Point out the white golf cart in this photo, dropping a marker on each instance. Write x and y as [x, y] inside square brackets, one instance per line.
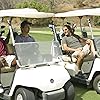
[40, 74]
[90, 65]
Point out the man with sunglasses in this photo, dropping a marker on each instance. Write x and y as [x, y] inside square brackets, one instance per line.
[77, 46]
[24, 36]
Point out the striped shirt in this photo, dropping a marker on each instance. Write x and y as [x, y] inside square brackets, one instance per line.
[3, 49]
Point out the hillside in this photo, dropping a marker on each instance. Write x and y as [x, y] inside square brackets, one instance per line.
[58, 6]
[55, 5]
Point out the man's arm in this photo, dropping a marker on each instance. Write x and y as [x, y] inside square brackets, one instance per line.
[82, 40]
[68, 49]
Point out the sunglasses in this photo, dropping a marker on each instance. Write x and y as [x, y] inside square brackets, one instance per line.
[65, 29]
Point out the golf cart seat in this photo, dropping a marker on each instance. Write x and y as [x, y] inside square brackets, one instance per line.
[72, 67]
[7, 69]
[66, 58]
[89, 58]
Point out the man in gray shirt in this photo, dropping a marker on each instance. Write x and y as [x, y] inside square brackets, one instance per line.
[24, 36]
[77, 46]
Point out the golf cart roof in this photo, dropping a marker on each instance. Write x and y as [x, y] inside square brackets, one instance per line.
[81, 12]
[25, 12]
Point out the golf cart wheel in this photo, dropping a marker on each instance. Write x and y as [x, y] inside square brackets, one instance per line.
[96, 84]
[69, 91]
[24, 94]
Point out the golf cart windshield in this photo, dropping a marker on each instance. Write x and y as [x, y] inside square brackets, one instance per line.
[35, 53]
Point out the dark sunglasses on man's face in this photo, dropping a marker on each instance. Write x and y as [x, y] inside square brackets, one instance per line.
[65, 29]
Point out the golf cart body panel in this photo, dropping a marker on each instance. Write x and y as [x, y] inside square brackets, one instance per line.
[43, 78]
[95, 68]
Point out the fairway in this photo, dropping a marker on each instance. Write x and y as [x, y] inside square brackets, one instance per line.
[42, 36]
[83, 93]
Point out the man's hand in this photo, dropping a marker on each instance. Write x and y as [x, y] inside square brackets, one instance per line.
[78, 49]
[88, 41]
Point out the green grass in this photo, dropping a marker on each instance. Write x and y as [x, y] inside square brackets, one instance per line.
[83, 93]
[42, 37]
[41, 34]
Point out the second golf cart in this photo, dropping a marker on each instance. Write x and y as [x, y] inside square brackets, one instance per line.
[90, 65]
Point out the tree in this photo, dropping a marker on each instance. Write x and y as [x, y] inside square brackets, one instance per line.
[33, 4]
[97, 20]
[36, 5]
[79, 4]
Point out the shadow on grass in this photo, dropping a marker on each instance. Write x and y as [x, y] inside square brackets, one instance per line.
[80, 90]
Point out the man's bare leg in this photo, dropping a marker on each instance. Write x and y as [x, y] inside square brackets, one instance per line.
[92, 48]
[14, 63]
[80, 60]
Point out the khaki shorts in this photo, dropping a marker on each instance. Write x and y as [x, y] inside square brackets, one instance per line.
[9, 59]
[85, 50]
